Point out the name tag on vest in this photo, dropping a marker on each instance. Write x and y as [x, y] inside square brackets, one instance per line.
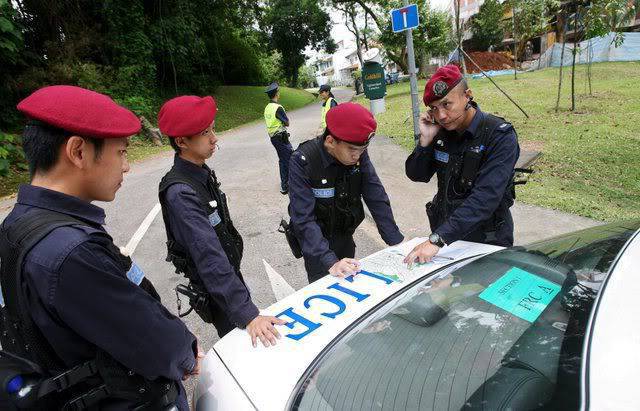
[324, 192]
[214, 218]
[441, 156]
[135, 274]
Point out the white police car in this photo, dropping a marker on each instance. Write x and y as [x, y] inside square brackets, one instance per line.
[553, 325]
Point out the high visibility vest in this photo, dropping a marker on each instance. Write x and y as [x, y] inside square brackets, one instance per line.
[273, 123]
[325, 108]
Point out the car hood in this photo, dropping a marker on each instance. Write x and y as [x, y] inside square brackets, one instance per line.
[319, 313]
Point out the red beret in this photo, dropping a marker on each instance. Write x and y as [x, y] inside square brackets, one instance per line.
[186, 116]
[352, 123]
[442, 81]
[80, 111]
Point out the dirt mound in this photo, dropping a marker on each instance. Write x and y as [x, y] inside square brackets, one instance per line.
[488, 61]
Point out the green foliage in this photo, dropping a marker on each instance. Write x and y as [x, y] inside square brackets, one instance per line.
[486, 26]
[600, 17]
[271, 67]
[10, 35]
[11, 154]
[294, 25]
[306, 76]
[142, 49]
[531, 18]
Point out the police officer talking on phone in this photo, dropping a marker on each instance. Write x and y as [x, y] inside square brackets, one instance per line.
[473, 155]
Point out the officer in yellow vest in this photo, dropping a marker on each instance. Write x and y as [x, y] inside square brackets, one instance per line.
[277, 122]
[329, 102]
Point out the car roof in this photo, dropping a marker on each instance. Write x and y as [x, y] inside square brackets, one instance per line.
[269, 375]
[612, 357]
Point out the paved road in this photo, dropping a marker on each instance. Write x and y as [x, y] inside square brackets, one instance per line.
[247, 167]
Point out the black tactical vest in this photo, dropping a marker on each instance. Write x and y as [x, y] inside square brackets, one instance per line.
[214, 203]
[337, 190]
[456, 177]
[85, 385]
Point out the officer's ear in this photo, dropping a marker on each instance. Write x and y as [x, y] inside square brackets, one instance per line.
[78, 151]
[180, 142]
[468, 94]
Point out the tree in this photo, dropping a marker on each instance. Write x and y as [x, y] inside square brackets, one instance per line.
[530, 19]
[294, 25]
[11, 47]
[486, 26]
[431, 38]
[602, 17]
[351, 20]
[306, 77]
[589, 19]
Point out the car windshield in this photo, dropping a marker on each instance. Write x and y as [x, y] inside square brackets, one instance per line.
[504, 331]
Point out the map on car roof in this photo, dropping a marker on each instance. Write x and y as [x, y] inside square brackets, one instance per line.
[389, 262]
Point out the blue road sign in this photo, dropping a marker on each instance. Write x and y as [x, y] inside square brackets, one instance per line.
[404, 18]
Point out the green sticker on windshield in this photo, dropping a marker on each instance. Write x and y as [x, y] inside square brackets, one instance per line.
[521, 293]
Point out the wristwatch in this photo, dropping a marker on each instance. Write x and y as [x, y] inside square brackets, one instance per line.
[436, 240]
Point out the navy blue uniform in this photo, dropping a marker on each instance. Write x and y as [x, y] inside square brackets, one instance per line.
[282, 116]
[333, 103]
[81, 301]
[192, 229]
[488, 201]
[319, 252]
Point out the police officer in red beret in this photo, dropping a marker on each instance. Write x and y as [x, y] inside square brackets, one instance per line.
[202, 242]
[329, 176]
[473, 154]
[71, 302]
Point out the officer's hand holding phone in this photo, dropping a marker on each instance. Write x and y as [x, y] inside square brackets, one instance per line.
[428, 128]
[262, 328]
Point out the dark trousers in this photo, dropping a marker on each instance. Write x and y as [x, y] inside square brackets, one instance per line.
[342, 246]
[283, 147]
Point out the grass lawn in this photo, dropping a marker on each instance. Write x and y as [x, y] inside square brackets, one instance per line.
[591, 157]
[237, 105]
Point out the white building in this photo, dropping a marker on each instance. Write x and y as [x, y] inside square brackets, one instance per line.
[336, 68]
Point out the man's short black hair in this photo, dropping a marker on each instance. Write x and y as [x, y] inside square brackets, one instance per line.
[272, 93]
[464, 85]
[174, 145]
[41, 144]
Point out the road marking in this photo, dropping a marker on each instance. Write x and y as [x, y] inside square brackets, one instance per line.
[141, 231]
[279, 285]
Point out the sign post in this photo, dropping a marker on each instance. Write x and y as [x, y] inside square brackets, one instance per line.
[374, 84]
[406, 19]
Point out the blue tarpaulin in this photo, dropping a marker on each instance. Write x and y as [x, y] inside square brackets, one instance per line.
[596, 50]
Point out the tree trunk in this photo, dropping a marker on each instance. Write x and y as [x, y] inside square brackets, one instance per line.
[352, 15]
[589, 51]
[424, 63]
[151, 132]
[560, 79]
[573, 63]
[459, 37]
[515, 43]
[364, 33]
